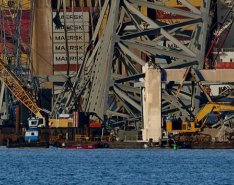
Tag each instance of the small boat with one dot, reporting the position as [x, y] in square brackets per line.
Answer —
[73, 147]
[90, 146]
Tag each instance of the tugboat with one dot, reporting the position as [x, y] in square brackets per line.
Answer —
[31, 138]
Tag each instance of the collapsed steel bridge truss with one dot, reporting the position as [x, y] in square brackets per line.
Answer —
[128, 38]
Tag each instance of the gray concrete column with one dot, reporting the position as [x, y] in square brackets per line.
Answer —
[152, 105]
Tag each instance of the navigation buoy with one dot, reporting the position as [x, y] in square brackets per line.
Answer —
[174, 147]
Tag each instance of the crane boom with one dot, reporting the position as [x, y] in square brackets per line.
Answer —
[18, 89]
[200, 118]
[212, 107]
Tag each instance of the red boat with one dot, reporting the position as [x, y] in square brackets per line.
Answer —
[72, 147]
[83, 146]
[90, 146]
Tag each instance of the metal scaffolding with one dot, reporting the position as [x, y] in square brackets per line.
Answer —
[16, 18]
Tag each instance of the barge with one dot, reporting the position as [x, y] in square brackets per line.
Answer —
[85, 145]
[28, 145]
[212, 145]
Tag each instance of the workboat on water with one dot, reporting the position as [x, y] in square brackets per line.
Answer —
[91, 145]
[28, 145]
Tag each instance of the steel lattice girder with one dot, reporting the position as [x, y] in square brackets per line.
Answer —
[15, 36]
[117, 53]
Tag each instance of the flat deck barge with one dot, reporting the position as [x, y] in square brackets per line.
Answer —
[28, 145]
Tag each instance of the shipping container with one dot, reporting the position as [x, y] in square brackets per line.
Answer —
[77, 39]
[10, 26]
[61, 58]
[170, 18]
[13, 4]
[177, 3]
[64, 67]
[225, 65]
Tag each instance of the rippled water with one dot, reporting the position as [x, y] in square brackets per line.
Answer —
[112, 166]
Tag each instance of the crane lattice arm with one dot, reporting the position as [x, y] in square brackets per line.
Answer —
[18, 89]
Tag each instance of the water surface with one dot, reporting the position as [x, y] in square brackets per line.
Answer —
[112, 166]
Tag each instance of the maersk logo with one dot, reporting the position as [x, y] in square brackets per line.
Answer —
[72, 48]
[61, 58]
[71, 58]
[72, 37]
[72, 27]
[72, 16]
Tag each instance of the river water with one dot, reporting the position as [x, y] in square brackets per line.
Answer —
[57, 166]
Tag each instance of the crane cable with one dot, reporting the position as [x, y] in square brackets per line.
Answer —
[76, 37]
[66, 41]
